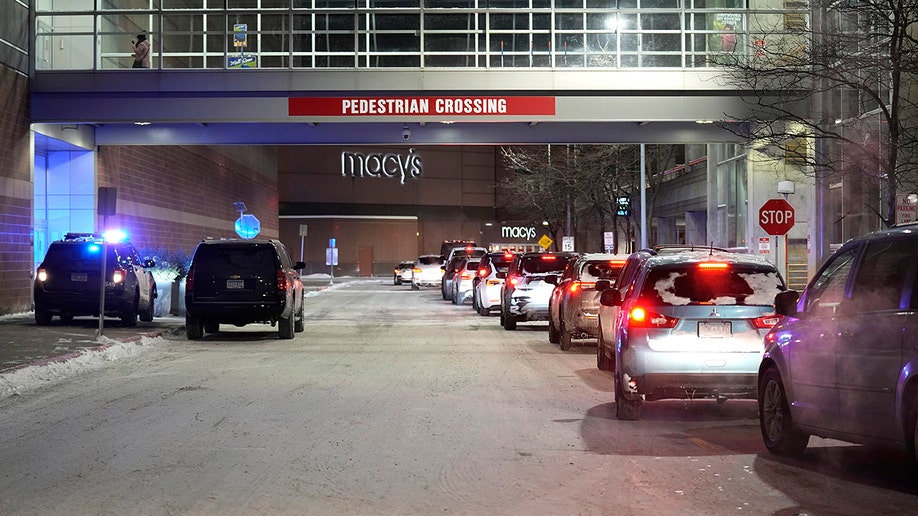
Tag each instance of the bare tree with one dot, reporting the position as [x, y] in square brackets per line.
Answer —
[830, 88]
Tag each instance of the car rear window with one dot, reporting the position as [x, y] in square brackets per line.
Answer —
[544, 264]
[233, 258]
[78, 252]
[600, 269]
[692, 285]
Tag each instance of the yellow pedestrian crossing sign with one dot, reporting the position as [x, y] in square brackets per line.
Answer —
[545, 242]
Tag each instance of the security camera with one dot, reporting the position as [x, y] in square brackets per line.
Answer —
[406, 133]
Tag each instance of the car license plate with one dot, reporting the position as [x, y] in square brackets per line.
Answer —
[77, 276]
[235, 283]
[714, 329]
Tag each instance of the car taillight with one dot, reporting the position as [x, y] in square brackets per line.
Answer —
[766, 321]
[118, 276]
[466, 275]
[514, 280]
[189, 281]
[416, 270]
[641, 318]
[493, 282]
[42, 275]
[574, 287]
[281, 280]
[715, 266]
[482, 272]
[581, 285]
[549, 257]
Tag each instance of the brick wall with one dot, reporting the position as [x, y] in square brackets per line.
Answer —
[15, 194]
[170, 197]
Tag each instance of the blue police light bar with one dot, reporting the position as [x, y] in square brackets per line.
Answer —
[113, 236]
[332, 242]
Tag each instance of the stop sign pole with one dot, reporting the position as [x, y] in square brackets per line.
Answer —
[776, 217]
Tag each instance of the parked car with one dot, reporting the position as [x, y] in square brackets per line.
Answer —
[427, 271]
[68, 281]
[525, 293]
[448, 245]
[462, 281]
[240, 282]
[690, 325]
[402, 272]
[451, 267]
[487, 285]
[573, 310]
[841, 361]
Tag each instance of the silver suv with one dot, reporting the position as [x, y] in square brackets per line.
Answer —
[841, 363]
[690, 325]
[525, 293]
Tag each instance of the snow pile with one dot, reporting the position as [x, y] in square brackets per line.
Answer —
[19, 380]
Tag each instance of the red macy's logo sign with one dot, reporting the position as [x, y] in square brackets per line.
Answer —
[421, 106]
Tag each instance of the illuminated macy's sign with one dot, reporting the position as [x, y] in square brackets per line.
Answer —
[356, 164]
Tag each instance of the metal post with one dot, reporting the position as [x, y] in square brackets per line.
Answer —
[102, 280]
[643, 199]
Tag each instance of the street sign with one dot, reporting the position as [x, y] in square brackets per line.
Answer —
[567, 244]
[776, 216]
[545, 242]
[906, 209]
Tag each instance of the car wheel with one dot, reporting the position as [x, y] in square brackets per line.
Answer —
[509, 322]
[454, 297]
[415, 287]
[211, 327]
[299, 323]
[194, 328]
[285, 327]
[475, 299]
[565, 337]
[779, 432]
[43, 317]
[553, 335]
[483, 311]
[129, 316]
[147, 314]
[625, 409]
[602, 361]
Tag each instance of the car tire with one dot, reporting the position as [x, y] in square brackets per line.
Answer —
[483, 311]
[43, 317]
[194, 328]
[211, 327]
[780, 434]
[395, 280]
[625, 409]
[602, 360]
[147, 314]
[474, 299]
[553, 335]
[415, 287]
[285, 327]
[509, 322]
[299, 322]
[454, 297]
[566, 340]
[129, 316]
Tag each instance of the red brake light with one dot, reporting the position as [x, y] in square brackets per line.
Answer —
[466, 275]
[713, 265]
[189, 281]
[482, 272]
[574, 287]
[549, 257]
[641, 318]
[281, 280]
[514, 280]
[766, 321]
[118, 275]
[508, 256]
[416, 270]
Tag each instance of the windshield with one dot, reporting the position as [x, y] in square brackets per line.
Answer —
[544, 264]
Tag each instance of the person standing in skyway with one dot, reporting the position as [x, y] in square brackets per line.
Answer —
[141, 53]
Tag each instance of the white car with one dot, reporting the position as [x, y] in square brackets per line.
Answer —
[427, 271]
[486, 285]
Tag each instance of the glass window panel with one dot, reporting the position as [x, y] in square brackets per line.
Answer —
[608, 21]
[439, 4]
[183, 43]
[302, 43]
[629, 42]
[667, 42]
[302, 61]
[629, 61]
[182, 61]
[449, 42]
[214, 62]
[111, 5]
[394, 43]
[274, 43]
[603, 43]
[274, 23]
[183, 22]
[215, 42]
[568, 21]
[569, 43]
[719, 4]
[185, 4]
[510, 42]
[325, 4]
[394, 22]
[661, 61]
[603, 4]
[660, 21]
[334, 22]
[660, 4]
[302, 22]
[335, 61]
[510, 21]
[335, 43]
[569, 4]
[449, 21]
[450, 61]
[393, 3]
[216, 23]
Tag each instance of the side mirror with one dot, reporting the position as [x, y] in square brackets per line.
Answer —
[610, 297]
[786, 303]
[603, 285]
[552, 279]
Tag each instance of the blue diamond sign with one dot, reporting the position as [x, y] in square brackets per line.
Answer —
[247, 226]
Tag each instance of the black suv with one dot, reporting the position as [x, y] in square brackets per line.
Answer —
[67, 283]
[525, 294]
[240, 282]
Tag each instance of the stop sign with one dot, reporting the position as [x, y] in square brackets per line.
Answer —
[776, 216]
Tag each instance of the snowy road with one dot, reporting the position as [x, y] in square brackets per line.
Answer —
[396, 402]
